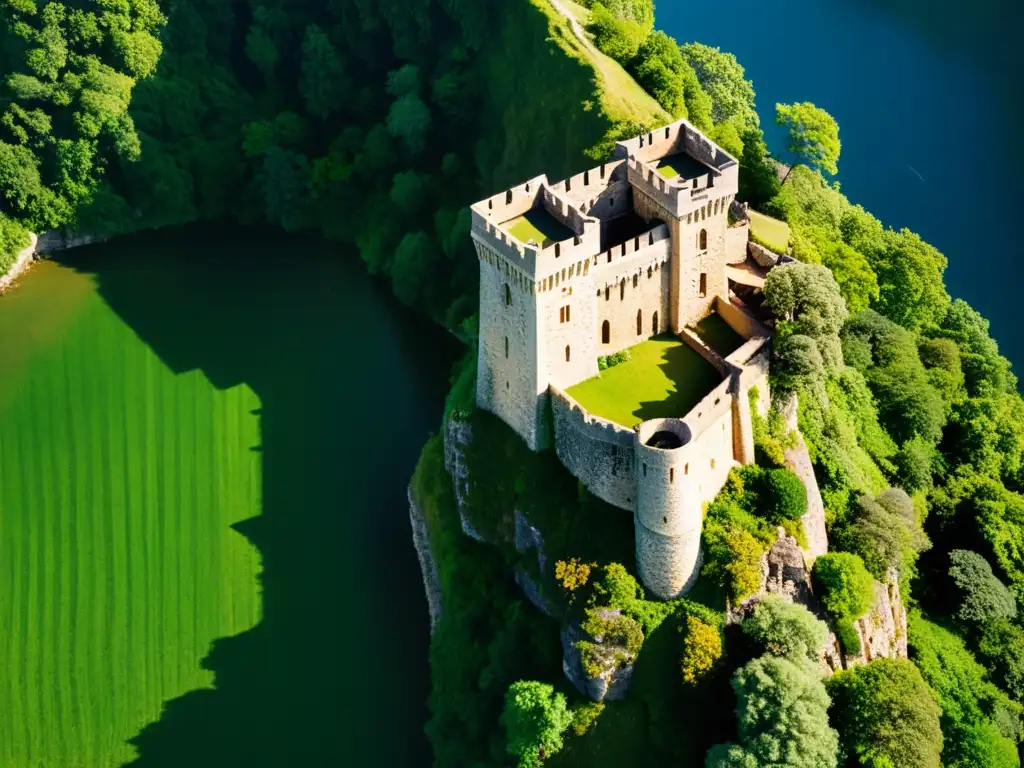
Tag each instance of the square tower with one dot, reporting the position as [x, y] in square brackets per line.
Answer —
[680, 177]
[531, 242]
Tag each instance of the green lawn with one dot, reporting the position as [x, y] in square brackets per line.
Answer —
[719, 335]
[119, 565]
[772, 232]
[538, 225]
[665, 377]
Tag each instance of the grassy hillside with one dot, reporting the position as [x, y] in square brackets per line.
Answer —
[552, 101]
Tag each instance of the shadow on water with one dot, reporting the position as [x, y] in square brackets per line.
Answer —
[335, 672]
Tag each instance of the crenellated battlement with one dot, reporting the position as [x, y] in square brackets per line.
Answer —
[579, 269]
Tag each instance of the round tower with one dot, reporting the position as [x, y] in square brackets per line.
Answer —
[668, 513]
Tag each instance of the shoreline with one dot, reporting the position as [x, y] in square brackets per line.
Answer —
[26, 257]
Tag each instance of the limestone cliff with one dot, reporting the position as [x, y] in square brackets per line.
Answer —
[457, 437]
[882, 630]
[614, 664]
[428, 566]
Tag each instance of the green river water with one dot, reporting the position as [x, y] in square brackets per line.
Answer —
[205, 559]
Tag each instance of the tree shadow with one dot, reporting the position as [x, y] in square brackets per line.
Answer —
[350, 384]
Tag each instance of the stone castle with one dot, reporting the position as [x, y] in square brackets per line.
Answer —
[639, 246]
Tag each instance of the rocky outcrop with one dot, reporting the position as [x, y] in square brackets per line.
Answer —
[64, 239]
[528, 537]
[883, 630]
[21, 263]
[428, 566]
[762, 256]
[798, 460]
[614, 677]
[457, 437]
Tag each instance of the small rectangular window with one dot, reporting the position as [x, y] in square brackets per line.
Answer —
[703, 284]
[561, 314]
[567, 313]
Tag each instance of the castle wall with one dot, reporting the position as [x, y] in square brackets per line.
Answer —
[596, 451]
[701, 268]
[567, 319]
[509, 385]
[736, 238]
[740, 321]
[637, 283]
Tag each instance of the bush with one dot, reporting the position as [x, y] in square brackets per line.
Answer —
[886, 715]
[846, 633]
[733, 560]
[843, 584]
[982, 595]
[584, 716]
[615, 37]
[535, 718]
[782, 708]
[610, 361]
[702, 647]
[784, 496]
[786, 629]
[879, 537]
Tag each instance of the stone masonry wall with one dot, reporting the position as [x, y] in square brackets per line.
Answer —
[596, 451]
[509, 358]
[638, 284]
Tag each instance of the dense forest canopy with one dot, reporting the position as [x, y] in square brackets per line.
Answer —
[374, 124]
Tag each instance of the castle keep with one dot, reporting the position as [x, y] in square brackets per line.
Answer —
[638, 247]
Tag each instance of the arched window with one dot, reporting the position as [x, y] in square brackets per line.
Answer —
[606, 332]
[622, 289]
[635, 278]
[639, 322]
[654, 324]
[508, 296]
[506, 346]
[567, 353]
[607, 293]
[702, 240]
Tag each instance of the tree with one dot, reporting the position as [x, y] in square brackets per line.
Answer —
[978, 720]
[884, 532]
[813, 134]
[782, 708]
[324, 81]
[808, 300]
[786, 629]
[616, 37]
[853, 273]
[1001, 648]
[982, 597]
[535, 717]
[723, 79]
[886, 715]
[844, 586]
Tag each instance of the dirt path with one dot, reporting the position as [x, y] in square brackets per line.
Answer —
[577, 29]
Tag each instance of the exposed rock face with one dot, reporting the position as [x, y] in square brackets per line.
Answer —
[761, 255]
[798, 460]
[457, 437]
[428, 566]
[612, 683]
[21, 263]
[528, 537]
[883, 630]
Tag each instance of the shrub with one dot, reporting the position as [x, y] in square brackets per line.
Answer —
[877, 536]
[572, 574]
[584, 716]
[617, 640]
[844, 585]
[734, 560]
[615, 37]
[782, 708]
[846, 633]
[784, 495]
[610, 361]
[982, 595]
[886, 715]
[535, 718]
[702, 647]
[615, 587]
[786, 629]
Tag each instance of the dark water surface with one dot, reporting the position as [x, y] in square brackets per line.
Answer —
[205, 558]
[933, 87]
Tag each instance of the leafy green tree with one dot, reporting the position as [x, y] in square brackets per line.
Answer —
[409, 120]
[1001, 649]
[786, 629]
[669, 78]
[808, 301]
[982, 597]
[535, 717]
[886, 715]
[978, 720]
[782, 708]
[723, 79]
[702, 648]
[853, 273]
[412, 272]
[324, 82]
[914, 464]
[813, 134]
[877, 536]
[617, 37]
[783, 496]
[909, 271]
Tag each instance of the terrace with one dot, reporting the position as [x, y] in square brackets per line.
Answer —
[664, 377]
[537, 225]
[682, 165]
